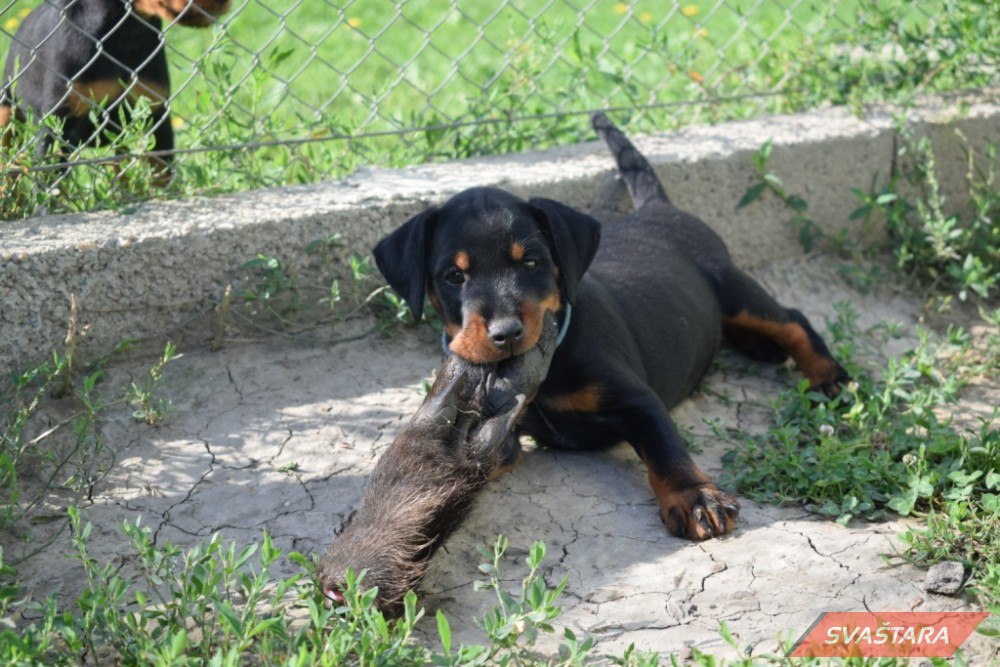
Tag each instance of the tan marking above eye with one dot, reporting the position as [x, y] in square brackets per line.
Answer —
[462, 260]
[517, 252]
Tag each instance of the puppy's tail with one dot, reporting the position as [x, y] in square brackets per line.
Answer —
[635, 170]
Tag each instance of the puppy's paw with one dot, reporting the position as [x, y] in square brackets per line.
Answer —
[830, 382]
[699, 512]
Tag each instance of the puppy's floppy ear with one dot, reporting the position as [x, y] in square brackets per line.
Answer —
[573, 237]
[402, 258]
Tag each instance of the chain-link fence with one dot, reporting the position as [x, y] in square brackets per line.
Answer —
[108, 101]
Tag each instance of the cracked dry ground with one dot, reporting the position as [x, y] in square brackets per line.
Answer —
[280, 436]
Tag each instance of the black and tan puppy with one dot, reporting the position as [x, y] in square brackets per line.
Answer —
[71, 56]
[643, 314]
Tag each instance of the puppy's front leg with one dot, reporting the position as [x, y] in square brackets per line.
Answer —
[691, 505]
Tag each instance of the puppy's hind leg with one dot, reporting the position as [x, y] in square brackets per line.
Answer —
[759, 326]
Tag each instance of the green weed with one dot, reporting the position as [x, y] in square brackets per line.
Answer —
[515, 623]
[147, 407]
[114, 172]
[953, 254]
[63, 455]
[963, 530]
[808, 232]
[216, 603]
[271, 293]
[268, 98]
[879, 445]
[883, 444]
[889, 53]
[326, 249]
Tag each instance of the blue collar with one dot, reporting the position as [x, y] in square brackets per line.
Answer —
[563, 328]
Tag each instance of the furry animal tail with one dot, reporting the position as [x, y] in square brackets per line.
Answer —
[635, 170]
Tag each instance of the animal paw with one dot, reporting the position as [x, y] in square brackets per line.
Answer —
[699, 512]
[830, 382]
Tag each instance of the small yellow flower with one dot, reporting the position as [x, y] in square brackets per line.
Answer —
[700, 33]
[690, 10]
[697, 77]
[646, 17]
[621, 8]
[354, 22]
[24, 12]
[177, 122]
[10, 25]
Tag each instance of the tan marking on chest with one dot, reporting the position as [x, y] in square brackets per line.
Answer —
[587, 399]
[86, 95]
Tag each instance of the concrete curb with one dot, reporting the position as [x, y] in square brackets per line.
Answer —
[148, 273]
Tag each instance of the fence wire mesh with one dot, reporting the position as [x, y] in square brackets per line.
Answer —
[109, 101]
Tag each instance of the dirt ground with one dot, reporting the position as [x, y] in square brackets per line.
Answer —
[280, 436]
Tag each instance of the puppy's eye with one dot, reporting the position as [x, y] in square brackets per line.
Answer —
[454, 276]
[529, 263]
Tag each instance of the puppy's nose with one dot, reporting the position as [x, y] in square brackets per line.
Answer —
[506, 331]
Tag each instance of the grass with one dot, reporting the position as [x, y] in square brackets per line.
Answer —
[63, 450]
[887, 444]
[883, 444]
[378, 83]
[218, 604]
[955, 254]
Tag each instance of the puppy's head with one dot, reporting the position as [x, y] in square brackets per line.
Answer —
[492, 264]
[193, 13]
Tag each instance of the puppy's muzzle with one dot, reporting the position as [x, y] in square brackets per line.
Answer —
[506, 333]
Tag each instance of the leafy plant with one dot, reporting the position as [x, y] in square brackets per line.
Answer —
[114, 172]
[878, 446]
[965, 530]
[884, 445]
[141, 396]
[809, 233]
[308, 106]
[523, 617]
[67, 463]
[952, 253]
[217, 603]
[271, 281]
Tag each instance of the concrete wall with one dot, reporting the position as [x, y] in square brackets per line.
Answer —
[149, 273]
